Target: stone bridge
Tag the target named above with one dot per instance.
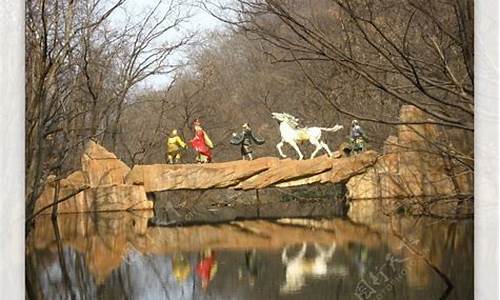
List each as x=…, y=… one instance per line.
x=249, y=175
x=410, y=166
x=105, y=183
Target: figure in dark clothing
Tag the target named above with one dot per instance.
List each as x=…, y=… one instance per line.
x=252, y=267
x=358, y=138
x=246, y=139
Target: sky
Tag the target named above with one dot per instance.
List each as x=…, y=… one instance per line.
x=200, y=21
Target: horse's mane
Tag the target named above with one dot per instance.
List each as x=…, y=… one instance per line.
x=291, y=120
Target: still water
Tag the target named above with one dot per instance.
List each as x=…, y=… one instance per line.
x=124, y=256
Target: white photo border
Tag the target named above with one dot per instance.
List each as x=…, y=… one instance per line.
x=487, y=136
x=486, y=142
x=12, y=176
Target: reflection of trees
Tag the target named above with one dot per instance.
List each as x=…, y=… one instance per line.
x=136, y=261
x=47, y=279
x=427, y=243
x=62, y=262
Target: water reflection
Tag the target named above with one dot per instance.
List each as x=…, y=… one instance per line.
x=252, y=268
x=117, y=256
x=298, y=267
x=181, y=268
x=206, y=267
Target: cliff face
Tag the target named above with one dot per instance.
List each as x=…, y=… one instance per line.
x=412, y=165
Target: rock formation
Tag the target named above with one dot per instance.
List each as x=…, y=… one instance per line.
x=247, y=175
x=102, y=166
x=99, y=186
x=411, y=165
x=105, y=183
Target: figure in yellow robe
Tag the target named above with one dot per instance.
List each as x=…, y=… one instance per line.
x=180, y=267
x=174, y=146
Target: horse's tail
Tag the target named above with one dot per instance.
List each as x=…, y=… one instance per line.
x=331, y=129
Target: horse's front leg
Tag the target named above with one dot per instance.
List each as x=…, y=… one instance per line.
x=278, y=146
x=294, y=145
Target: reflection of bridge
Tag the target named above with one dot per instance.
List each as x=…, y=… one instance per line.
x=106, y=241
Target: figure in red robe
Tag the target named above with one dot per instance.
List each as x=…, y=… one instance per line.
x=201, y=143
x=207, y=267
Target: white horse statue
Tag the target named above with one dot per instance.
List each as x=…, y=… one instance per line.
x=291, y=134
x=300, y=268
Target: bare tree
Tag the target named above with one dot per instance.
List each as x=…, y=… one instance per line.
x=52, y=33
x=81, y=71
x=386, y=52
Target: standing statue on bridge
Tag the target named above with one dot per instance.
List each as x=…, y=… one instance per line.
x=201, y=143
x=174, y=146
x=292, y=134
x=246, y=138
x=357, y=138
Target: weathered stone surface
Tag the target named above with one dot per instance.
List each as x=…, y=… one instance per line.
x=98, y=187
x=75, y=182
x=420, y=133
x=102, y=198
x=411, y=165
x=339, y=170
x=343, y=169
x=102, y=166
x=118, y=197
x=377, y=181
x=246, y=175
x=287, y=170
x=161, y=177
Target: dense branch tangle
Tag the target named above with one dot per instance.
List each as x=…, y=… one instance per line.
x=82, y=68
x=389, y=44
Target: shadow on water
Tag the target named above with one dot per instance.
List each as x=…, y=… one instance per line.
x=123, y=256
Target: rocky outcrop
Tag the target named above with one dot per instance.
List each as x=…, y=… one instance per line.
x=71, y=187
x=340, y=171
x=412, y=165
x=102, y=166
x=105, y=183
x=161, y=177
x=99, y=186
x=247, y=175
